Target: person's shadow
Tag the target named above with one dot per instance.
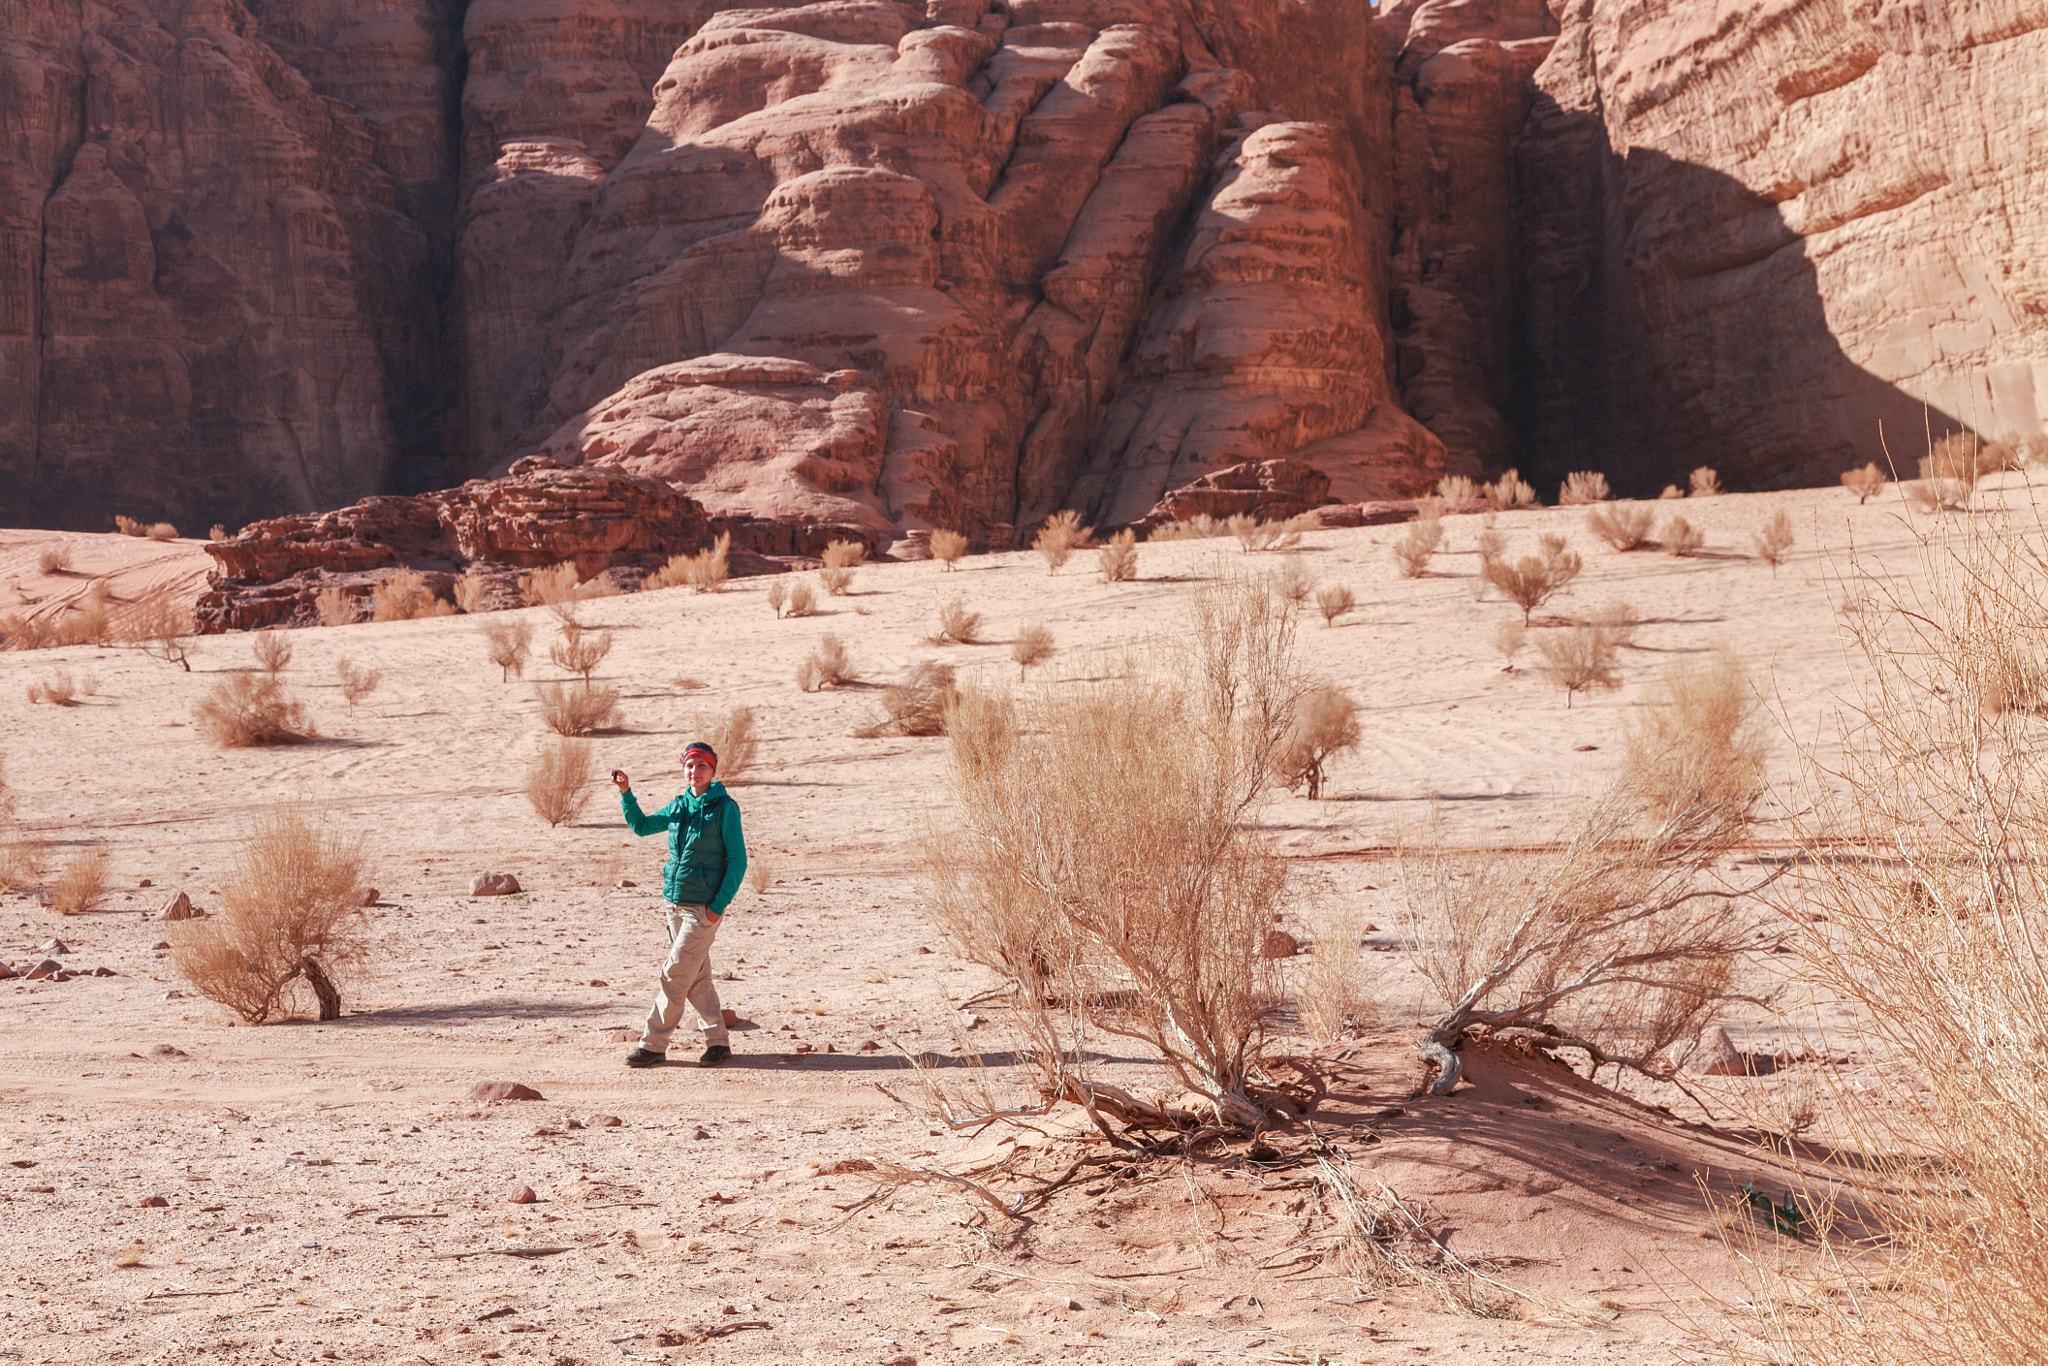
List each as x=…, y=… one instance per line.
x=1669, y=318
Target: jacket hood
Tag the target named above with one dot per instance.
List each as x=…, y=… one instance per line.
x=715, y=790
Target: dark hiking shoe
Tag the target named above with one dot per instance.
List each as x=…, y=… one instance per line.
x=640, y=1057
x=714, y=1055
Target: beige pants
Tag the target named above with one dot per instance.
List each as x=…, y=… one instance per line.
x=686, y=978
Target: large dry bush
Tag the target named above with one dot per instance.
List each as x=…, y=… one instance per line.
x=1581, y=487
x=1865, y=483
x=553, y=586
x=1417, y=545
x=1060, y=537
x=916, y=705
x=1033, y=645
x=948, y=547
x=1965, y=458
x=54, y=559
x=337, y=607
x=508, y=644
x=1624, y=526
x=706, y=571
x=245, y=710
x=82, y=882
x=1137, y=902
x=404, y=596
x=1680, y=537
x=1509, y=492
x=558, y=782
x=582, y=708
x=826, y=666
x=1773, y=539
x=842, y=560
x=1254, y=534
x=1459, y=492
x=1118, y=558
x=958, y=624
x=1534, y=579
x=579, y=652
x=1706, y=482
x=158, y=625
x=1325, y=725
x=732, y=734
x=291, y=918
x=161, y=531
x=1922, y=892
x=1335, y=997
x=1580, y=658
x=1618, y=940
x=127, y=525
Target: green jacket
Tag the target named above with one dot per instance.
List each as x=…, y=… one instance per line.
x=707, y=855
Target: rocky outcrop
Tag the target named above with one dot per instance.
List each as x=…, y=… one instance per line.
x=1268, y=490
x=595, y=518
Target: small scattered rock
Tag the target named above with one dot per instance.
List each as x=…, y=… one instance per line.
x=803, y=1048
x=523, y=1196
x=178, y=907
x=922, y=949
x=368, y=896
x=700, y=1133
x=55, y=946
x=1279, y=944
x=605, y=1121
x=44, y=970
x=572, y=1123
x=167, y=1050
x=6, y=971
x=174, y=995
x=870, y=1046
x=622, y=1035
x=599, y=982
x=830, y=1049
x=145, y=883
x=625, y=882
x=503, y=1090
x=728, y=1016
x=104, y=971
x=545, y=1132
x=152, y=1202
x=161, y=944
x=1717, y=1055
x=493, y=884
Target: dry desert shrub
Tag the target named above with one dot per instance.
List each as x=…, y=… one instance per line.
x=1417, y=545
x=1458, y=491
x=826, y=666
x=778, y=593
x=22, y=857
x=1136, y=906
x=508, y=643
x=760, y=874
x=1924, y=858
x=87, y=625
x=546, y=587
x=1508, y=639
x=1614, y=940
x=244, y=711
x=802, y=601
x=404, y=596
x=58, y=690
x=158, y=625
x=1335, y=1000
x=732, y=734
x=1534, y=579
x=161, y=531
x=217, y=533
x=1118, y=559
x=273, y=651
x=1865, y=483
x=1509, y=492
x=916, y=705
x=337, y=607
x=579, y=651
x=82, y=882
x=1033, y=645
x=1680, y=537
x=1965, y=458
x=357, y=680
x=24, y=632
x=1579, y=659
x=1774, y=539
x=842, y=560
x=1200, y=527
x=558, y=781
x=1333, y=600
x=575, y=709
x=605, y=586
x=957, y=624
x=1325, y=725
x=948, y=547
x=1936, y=495
x=1670, y=491
x=1624, y=526
x=54, y=559
x=291, y=915
x=1253, y=534
x=1582, y=487
x=1060, y=537
x=128, y=526
x=705, y=572
x=471, y=590
x=1706, y=482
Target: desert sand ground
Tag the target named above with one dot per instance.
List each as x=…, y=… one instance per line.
x=333, y=1194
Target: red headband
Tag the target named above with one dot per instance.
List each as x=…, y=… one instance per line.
x=704, y=750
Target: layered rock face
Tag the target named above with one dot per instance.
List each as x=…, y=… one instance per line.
x=899, y=263
x=1753, y=232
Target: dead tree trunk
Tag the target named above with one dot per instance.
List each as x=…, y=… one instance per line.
x=324, y=989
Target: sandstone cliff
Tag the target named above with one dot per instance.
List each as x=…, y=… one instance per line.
x=964, y=262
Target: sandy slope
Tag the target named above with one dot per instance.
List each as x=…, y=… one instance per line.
x=286, y=1151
